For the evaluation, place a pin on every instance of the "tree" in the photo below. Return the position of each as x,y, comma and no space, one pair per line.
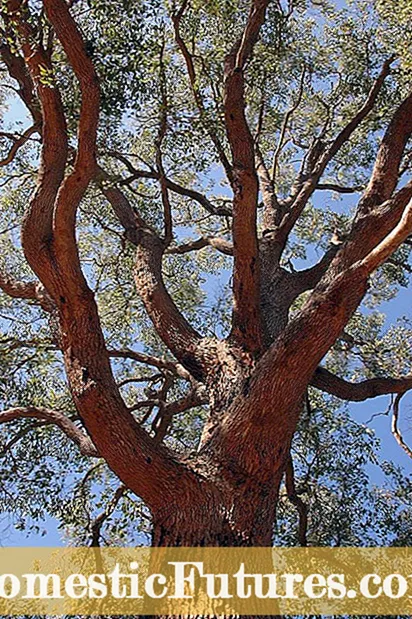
150,122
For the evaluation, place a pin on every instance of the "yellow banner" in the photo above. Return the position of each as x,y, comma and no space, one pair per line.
205,581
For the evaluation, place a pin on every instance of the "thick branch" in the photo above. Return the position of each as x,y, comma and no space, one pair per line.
76,183
251,32
358,392
37,228
176,332
246,320
309,278
391,242
146,468
385,174
373,230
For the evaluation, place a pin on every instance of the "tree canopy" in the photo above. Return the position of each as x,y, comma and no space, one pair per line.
205,208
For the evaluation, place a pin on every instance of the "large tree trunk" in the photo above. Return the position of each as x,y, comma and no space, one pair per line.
246,518
240,514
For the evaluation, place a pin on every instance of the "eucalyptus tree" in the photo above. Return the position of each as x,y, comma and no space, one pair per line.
213,198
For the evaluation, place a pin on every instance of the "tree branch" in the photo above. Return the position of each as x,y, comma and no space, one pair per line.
246,320
162,364
173,186
385,173
394,426
297,502
182,340
285,123
83,442
34,291
168,411
177,18
37,228
309,278
392,241
76,183
98,522
223,246
272,212
17,70
358,392
323,157
18,143
167,207
149,470
244,47
338,188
